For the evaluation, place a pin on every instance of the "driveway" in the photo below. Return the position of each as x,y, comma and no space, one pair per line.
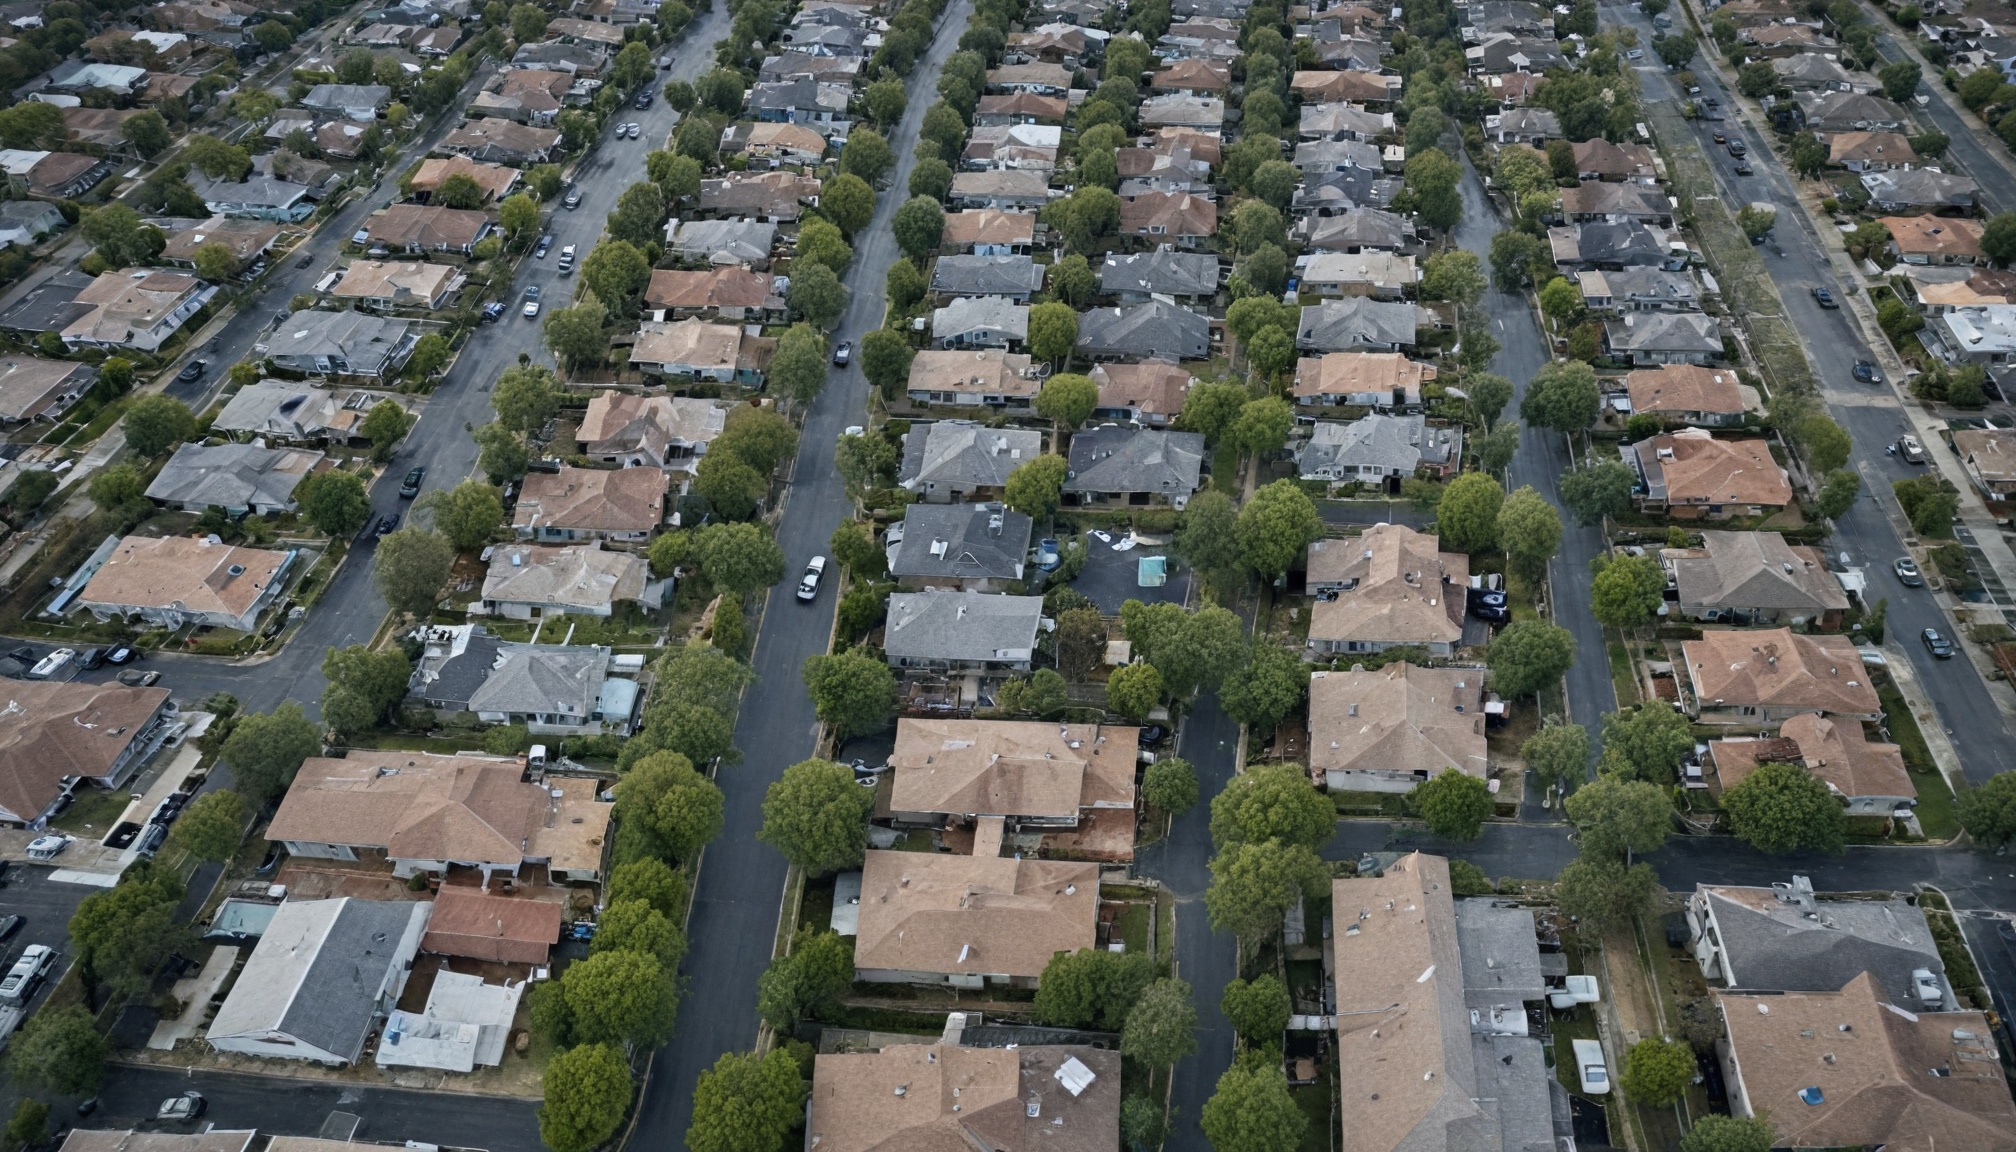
1110,579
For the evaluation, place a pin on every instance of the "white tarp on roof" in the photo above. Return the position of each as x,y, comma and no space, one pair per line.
466,1023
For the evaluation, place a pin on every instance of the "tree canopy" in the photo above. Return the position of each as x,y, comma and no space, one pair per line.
816,815
1781,807
1455,804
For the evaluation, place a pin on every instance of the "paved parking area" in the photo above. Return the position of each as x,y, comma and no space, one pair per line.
1110,579
45,907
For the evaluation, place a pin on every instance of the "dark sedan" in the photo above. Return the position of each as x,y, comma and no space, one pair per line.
1490,606
1939,645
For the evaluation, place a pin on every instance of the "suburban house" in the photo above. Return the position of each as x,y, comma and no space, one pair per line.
1378,449
355,101
1133,332
493,181
56,738
702,350
958,547
345,343
990,377
322,976
1639,288
387,285
1432,997
1123,464
1381,274
1016,277
1690,475
775,196
277,410
24,222
971,921
1179,216
1870,151
1388,587
1599,200
550,689
1687,394
1784,939
1765,677
1989,455
924,1095
1599,159
1381,380
725,292
527,581
788,143
988,232
55,175
425,813
1358,230
32,388
1004,190
1606,244
1358,324
1983,334
245,240
633,431
1390,729
136,308
962,632
1034,775
1350,85
980,322
531,96
1150,392
1869,779
1019,108
721,242
952,460
175,581
238,478
1910,1079
423,228
1754,578
575,505
256,198
1934,239
1918,190
802,100
493,928
502,142
1643,338
1140,277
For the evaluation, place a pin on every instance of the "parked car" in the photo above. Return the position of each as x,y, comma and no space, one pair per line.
93,658
122,654
51,664
24,654
1907,572
808,584
573,200
411,487
1153,734
150,841
1589,1066
492,312
531,309
1939,646
183,1109
1047,555
843,353
1867,373
48,847
191,371
1909,448
1825,299
1489,605
135,678
545,242
1721,138
19,985
9,925
386,524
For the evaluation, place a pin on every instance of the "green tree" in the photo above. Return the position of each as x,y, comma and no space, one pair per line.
848,202
1561,301
1530,529
216,159
620,998
1208,537
409,569
1562,396
1066,398
211,827
1272,802
215,263
500,453
866,155
1254,884
1603,893
1162,1026
918,225
1782,807
363,686
384,426
817,816
1262,426
156,423
758,437
854,693
820,242
1272,683
526,397
1594,491
1998,237
1258,1009
1071,280
1453,803
1838,493
1651,740
747,1103
1495,450
1466,519
853,545
1730,1134
1454,275
59,1050
28,1125
576,334
1489,393
1276,527
807,984
587,1090
1617,818
122,934
119,490
1170,785
1657,1072
1900,80
817,295
1211,406
1929,503
885,99
1825,442
1756,222
885,357
740,559
1036,486
1627,591
1134,690
528,23
904,285
651,882
636,926
1089,988
1557,753
1528,656
798,367
1676,50
675,810
264,750
1434,179
1251,1110
1514,256
1989,811
1053,331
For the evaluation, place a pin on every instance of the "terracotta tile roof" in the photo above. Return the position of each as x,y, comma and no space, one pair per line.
1168,214
1011,768
1778,669
1196,75
594,500
1400,718
494,179
1838,1069
184,573
996,916
1328,87
947,1098
1401,588
1934,235
50,732
1684,388
1345,373
425,226
493,928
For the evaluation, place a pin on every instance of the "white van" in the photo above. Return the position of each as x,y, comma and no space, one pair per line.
1590,1067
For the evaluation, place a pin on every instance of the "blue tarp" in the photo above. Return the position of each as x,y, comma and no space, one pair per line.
1152,571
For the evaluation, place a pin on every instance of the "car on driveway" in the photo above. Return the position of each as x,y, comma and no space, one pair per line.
183,1109
1939,645
843,353
1825,299
136,678
1907,572
808,584
1867,373
122,654
1489,605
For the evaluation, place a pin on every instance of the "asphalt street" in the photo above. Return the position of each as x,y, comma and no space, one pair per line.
1871,414
1986,162
45,907
1207,960
735,905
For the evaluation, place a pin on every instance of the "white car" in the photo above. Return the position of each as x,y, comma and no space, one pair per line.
808,584
1927,986
1595,1074
51,664
531,309
47,847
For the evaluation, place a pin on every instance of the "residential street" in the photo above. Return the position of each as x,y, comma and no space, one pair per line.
1207,960
735,905
1987,162
1872,416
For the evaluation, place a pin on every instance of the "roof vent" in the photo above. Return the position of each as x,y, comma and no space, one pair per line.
236,570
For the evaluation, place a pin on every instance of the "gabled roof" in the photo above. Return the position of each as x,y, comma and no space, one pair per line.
1838,1069
232,475
1837,753
52,732
1683,389
1601,157
962,626
1780,939
182,573
726,241
1934,235
1157,327
1779,669
1355,373
579,575
1359,228
961,542
1693,333
988,226
1380,440
491,927
1752,570
1353,321
967,314
986,276
536,679
1112,458
627,422
1166,272
592,499
1871,147
728,286
1169,214
1400,718
931,1097
1154,386
1011,768
1692,467
1196,75
961,453
1400,588
318,971
986,915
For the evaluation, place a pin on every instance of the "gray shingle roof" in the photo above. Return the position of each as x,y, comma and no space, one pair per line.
1169,273
986,276
1378,440
961,626
963,453
229,476
461,676
1355,321
1157,328
1769,944
1112,458
958,541
336,1003
1501,953
550,678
